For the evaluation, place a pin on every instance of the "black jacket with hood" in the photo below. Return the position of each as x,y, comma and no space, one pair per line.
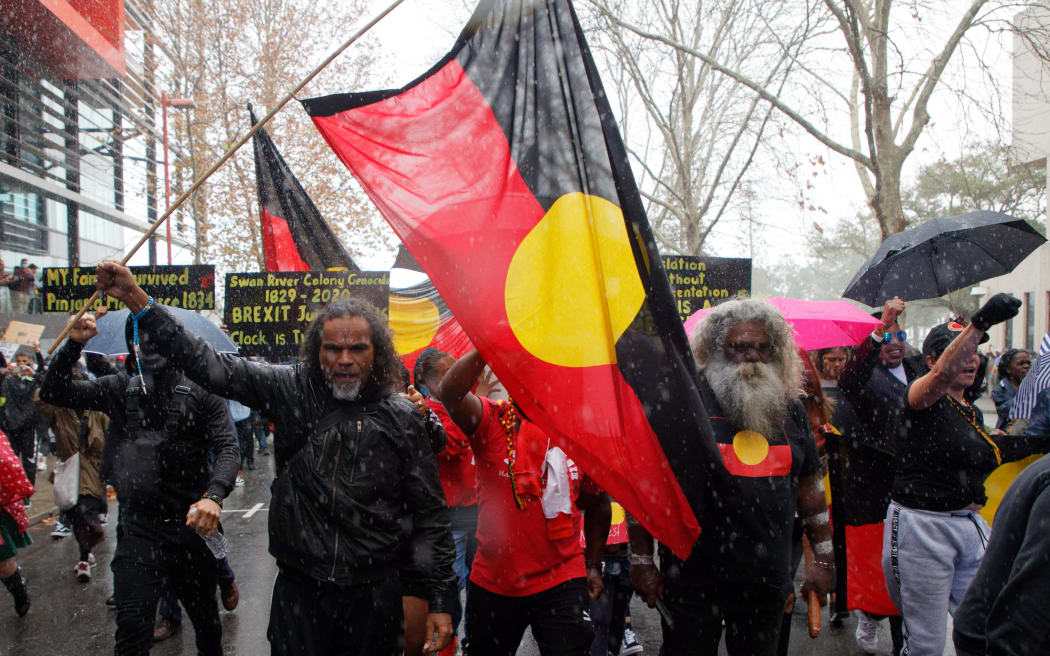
352,499
162,469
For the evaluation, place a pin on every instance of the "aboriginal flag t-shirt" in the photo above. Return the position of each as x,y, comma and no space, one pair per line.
746,532
515,556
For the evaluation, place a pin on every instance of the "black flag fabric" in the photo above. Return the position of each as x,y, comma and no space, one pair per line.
294,234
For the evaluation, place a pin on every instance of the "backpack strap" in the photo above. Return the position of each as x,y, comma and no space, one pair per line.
133,405
178,407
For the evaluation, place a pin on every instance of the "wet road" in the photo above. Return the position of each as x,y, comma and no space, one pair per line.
68,617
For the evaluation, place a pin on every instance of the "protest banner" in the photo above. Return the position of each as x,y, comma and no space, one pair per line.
19,332
700,282
267,313
191,286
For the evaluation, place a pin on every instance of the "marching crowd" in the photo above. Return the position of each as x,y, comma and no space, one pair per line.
397,492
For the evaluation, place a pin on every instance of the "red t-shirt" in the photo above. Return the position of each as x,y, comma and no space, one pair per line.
515,558
455,462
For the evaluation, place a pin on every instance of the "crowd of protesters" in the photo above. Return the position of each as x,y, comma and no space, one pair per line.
398,495
20,289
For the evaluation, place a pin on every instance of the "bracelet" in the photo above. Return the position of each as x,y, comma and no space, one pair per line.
597,566
641,559
211,496
821,565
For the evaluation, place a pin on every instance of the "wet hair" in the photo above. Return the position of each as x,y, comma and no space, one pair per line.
386,373
710,334
817,356
1006,359
818,407
406,378
426,364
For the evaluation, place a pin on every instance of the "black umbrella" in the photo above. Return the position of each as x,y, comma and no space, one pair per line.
110,337
943,255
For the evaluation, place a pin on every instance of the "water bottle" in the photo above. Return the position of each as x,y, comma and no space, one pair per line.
217,542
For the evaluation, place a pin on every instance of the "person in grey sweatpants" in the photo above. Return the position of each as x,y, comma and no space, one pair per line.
934,537
941,553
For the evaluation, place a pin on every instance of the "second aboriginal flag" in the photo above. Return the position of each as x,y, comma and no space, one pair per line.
503,172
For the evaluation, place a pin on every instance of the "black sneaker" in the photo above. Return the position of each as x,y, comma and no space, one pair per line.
111,603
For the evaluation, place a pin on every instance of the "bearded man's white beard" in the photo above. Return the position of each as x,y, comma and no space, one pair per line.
342,391
751,393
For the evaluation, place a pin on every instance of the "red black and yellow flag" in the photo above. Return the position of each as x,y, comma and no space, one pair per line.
503,172
294,234
419,318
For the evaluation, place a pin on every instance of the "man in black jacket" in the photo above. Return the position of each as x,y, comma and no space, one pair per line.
873,383
357,486
156,456
20,415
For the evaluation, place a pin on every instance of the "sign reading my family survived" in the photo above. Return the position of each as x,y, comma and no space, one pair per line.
191,287
267,313
700,282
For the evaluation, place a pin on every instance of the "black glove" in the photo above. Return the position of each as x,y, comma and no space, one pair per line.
998,309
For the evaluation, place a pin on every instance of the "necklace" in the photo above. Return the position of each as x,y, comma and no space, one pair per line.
971,418
509,419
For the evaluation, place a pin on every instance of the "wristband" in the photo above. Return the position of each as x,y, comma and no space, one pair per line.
641,559
821,565
211,496
597,566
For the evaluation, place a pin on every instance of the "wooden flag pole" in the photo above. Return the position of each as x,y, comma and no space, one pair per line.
222,160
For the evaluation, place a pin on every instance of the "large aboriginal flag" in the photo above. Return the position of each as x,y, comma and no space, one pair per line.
419,318
295,237
503,172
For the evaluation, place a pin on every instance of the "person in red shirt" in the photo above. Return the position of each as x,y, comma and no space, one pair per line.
456,469
529,570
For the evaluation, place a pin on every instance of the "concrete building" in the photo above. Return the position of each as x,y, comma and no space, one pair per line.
81,159
1031,144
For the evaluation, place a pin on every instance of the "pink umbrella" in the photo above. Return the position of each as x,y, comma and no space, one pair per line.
817,324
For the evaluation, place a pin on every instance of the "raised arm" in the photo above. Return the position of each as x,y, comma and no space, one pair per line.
462,405
59,388
855,376
928,389
255,384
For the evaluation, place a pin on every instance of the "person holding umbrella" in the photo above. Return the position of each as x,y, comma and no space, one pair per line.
935,537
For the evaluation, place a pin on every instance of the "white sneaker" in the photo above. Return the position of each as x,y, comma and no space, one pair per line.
83,571
103,518
239,482
630,643
867,632
42,465
61,530
91,560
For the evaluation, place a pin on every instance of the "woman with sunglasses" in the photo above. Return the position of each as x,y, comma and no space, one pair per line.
934,537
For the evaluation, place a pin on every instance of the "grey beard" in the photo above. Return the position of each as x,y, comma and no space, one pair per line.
751,393
345,391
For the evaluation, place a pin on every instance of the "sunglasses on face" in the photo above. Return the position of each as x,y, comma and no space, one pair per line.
900,335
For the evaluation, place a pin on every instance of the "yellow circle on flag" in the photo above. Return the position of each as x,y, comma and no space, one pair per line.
413,322
573,286
751,447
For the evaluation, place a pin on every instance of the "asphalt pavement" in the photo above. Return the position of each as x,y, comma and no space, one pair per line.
68,617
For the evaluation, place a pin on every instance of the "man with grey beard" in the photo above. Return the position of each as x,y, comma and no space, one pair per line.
739,571
357,517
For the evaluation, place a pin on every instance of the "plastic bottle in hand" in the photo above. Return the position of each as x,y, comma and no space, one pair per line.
217,542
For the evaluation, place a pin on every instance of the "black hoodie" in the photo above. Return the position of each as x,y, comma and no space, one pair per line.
162,469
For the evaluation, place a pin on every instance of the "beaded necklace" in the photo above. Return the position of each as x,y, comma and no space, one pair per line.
509,419
971,418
